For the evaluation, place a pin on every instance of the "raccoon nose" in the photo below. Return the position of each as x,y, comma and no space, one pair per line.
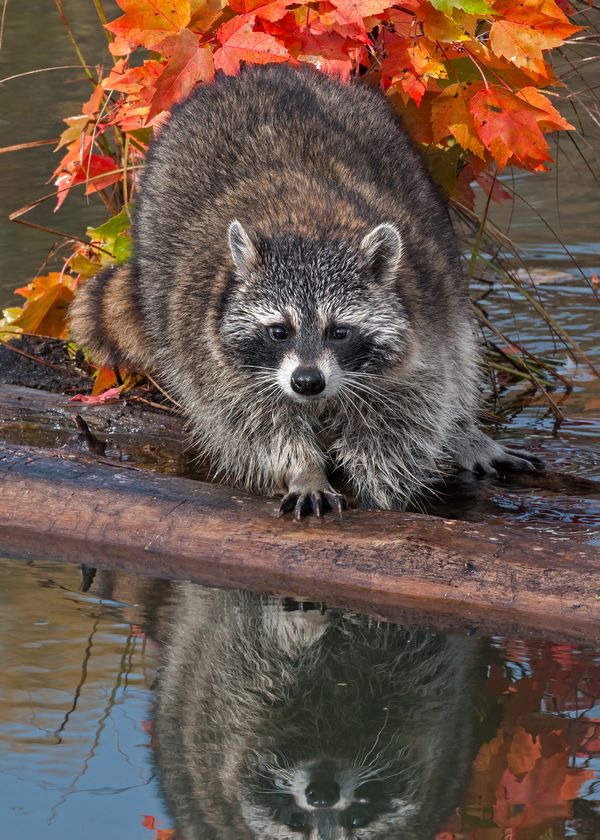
308,380
322,794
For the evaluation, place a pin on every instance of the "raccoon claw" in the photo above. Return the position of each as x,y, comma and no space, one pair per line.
509,461
517,461
336,501
316,503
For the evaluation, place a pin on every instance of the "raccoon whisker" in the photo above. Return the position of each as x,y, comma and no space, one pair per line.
372,770
377,737
261,367
403,385
347,393
405,390
399,409
343,405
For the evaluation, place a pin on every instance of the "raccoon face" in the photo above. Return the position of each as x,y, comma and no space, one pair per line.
310,318
326,800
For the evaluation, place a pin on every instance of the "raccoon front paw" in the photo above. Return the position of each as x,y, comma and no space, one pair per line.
478,453
312,502
510,461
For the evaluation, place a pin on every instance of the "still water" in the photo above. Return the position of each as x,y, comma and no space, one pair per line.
140,705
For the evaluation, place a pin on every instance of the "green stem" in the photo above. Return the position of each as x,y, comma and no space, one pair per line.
73,41
103,19
477,243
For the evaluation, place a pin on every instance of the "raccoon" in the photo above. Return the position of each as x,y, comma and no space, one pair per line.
296,284
293,725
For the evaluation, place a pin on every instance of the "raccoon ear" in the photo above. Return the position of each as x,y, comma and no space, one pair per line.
383,249
243,250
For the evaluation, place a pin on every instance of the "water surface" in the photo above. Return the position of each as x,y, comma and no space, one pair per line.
263,706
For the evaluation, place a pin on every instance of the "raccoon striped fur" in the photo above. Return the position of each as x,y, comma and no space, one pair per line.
293,725
296,284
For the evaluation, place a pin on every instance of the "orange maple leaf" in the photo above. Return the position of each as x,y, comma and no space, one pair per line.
147,22
508,128
451,117
526,28
550,119
524,752
543,794
352,11
48,299
271,10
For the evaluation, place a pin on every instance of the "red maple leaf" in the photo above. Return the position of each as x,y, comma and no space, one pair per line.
240,42
188,63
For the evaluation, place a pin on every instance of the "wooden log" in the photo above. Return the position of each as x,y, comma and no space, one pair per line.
406,567
32,417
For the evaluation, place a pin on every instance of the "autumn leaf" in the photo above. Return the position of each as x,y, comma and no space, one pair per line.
473,7
544,793
111,395
524,29
114,236
147,22
241,43
492,186
524,752
159,833
271,10
410,65
354,11
451,117
96,171
47,301
309,40
438,26
188,63
205,13
508,129
549,119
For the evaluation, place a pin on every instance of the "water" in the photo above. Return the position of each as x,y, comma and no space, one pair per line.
259,700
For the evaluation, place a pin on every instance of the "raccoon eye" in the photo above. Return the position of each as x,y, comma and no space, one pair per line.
339,333
279,332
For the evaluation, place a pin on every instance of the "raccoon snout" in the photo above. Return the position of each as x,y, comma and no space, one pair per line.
322,794
308,381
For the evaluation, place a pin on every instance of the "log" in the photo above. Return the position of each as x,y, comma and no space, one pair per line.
65,507
155,439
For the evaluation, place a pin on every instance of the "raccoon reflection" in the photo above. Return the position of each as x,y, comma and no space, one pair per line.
292,724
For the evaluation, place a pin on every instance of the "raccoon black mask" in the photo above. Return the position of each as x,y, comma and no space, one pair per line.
307,314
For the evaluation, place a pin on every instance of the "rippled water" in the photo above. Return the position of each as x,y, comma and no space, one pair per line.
412,734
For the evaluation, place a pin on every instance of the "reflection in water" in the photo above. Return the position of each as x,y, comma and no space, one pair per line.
263,714
286,723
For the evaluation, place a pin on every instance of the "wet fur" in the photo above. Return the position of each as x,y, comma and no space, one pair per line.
308,166
251,695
